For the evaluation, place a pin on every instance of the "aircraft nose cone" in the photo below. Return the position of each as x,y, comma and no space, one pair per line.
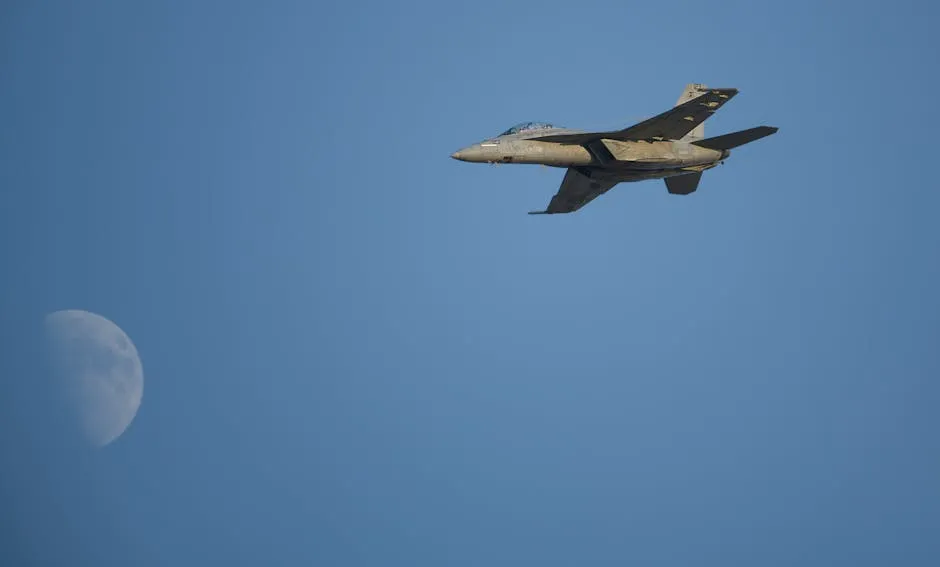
457,155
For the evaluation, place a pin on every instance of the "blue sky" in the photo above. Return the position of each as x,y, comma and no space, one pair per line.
360,352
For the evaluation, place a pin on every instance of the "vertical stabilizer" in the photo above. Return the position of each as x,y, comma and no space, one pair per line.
693,90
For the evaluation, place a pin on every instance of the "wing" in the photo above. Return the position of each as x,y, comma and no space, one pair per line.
670,125
577,189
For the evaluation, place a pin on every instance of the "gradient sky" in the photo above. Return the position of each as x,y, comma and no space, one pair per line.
359,352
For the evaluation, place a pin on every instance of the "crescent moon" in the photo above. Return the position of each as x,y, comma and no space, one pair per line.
102,372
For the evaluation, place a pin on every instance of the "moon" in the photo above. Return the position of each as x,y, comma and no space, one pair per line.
100,370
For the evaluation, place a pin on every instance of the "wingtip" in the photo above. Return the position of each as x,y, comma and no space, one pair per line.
539,213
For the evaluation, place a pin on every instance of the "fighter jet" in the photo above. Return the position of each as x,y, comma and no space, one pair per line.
671,146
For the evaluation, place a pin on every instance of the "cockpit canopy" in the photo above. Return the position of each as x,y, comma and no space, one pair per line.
527,126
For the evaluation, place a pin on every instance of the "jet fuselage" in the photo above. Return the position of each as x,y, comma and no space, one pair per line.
612,155
671,146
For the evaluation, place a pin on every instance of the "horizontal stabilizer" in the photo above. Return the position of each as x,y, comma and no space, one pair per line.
735,139
683,184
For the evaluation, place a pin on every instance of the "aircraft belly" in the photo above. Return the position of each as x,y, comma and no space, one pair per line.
650,165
